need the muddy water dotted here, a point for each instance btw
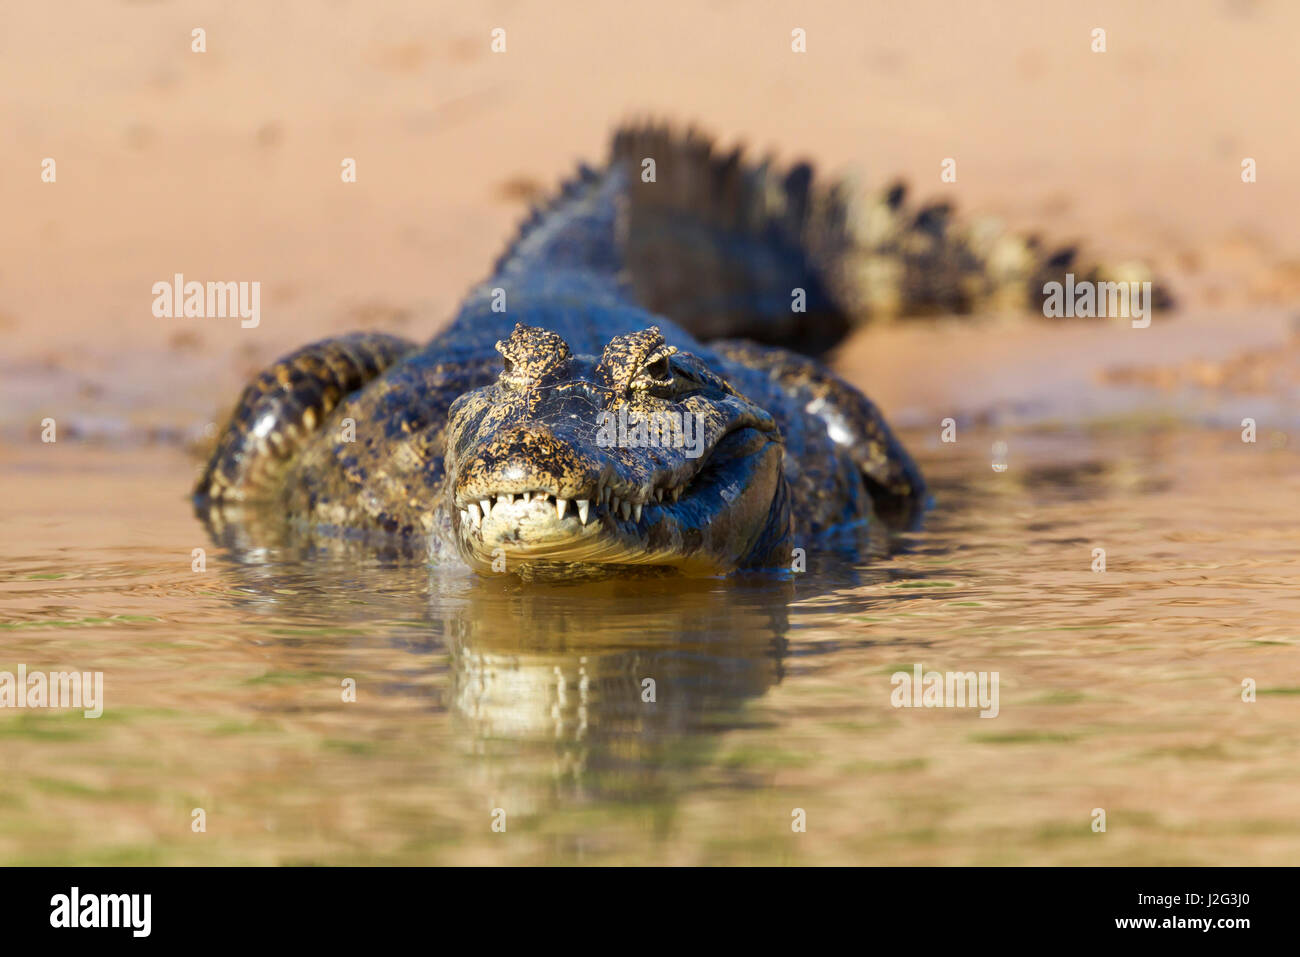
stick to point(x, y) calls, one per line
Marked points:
point(1119, 690)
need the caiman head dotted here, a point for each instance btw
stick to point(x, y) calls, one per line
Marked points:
point(643, 457)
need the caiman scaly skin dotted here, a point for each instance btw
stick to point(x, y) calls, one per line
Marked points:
point(511, 441)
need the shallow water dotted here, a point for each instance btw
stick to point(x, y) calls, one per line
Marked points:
point(1118, 690)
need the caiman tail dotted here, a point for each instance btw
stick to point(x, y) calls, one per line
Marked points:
point(731, 249)
point(734, 249)
point(900, 260)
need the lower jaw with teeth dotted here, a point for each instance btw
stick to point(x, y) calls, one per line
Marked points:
point(474, 514)
point(524, 533)
point(707, 533)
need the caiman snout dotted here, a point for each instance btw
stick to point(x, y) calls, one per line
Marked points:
point(523, 460)
point(571, 462)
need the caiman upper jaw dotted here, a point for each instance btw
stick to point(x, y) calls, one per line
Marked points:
point(608, 493)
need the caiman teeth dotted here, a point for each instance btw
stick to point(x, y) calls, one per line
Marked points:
point(620, 505)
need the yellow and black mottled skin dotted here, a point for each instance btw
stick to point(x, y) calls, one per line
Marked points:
point(280, 410)
point(486, 443)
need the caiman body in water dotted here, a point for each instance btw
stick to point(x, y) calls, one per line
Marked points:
point(688, 290)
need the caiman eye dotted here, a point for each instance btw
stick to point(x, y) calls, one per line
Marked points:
point(509, 377)
point(657, 373)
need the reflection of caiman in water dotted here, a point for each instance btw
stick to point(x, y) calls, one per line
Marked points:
point(629, 683)
point(613, 688)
